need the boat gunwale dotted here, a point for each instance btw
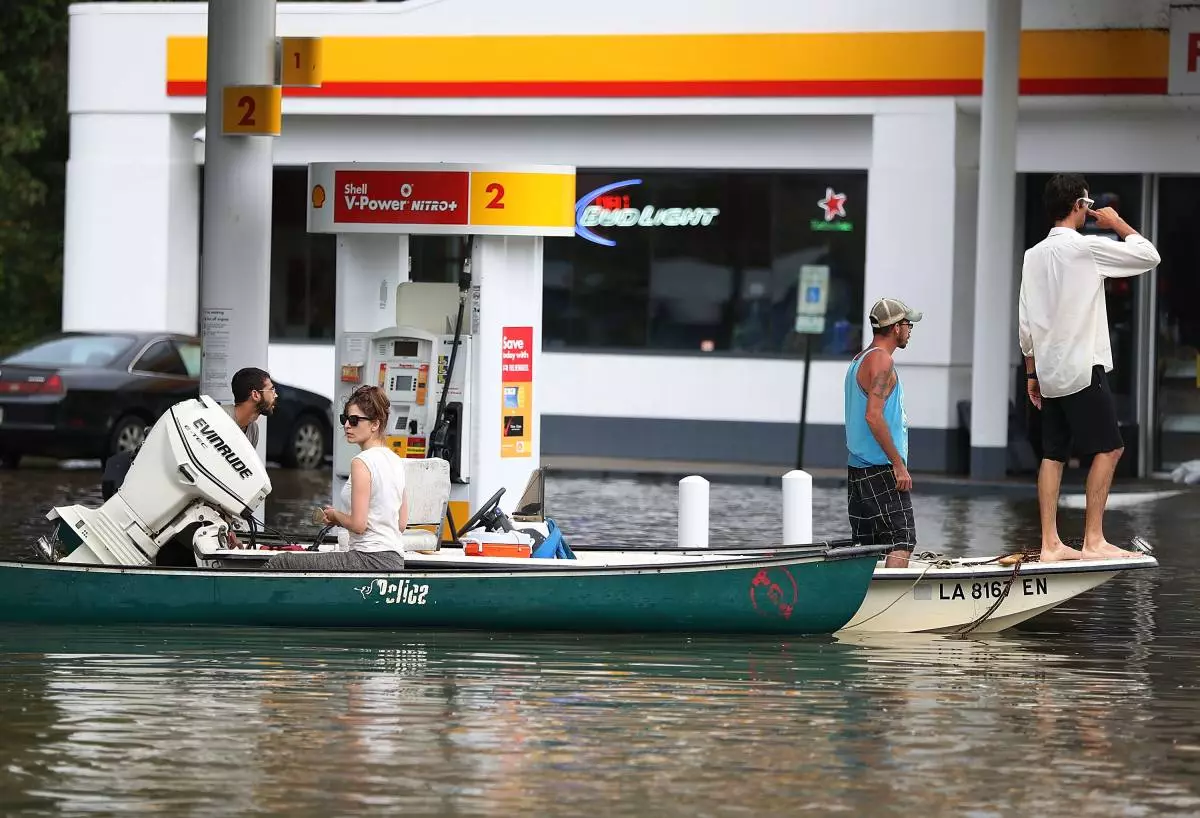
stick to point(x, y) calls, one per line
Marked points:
point(551, 568)
point(1004, 571)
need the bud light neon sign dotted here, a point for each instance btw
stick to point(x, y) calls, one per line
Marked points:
point(603, 207)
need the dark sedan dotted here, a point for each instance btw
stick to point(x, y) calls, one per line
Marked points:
point(90, 395)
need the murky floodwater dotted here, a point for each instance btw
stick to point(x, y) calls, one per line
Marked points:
point(1091, 707)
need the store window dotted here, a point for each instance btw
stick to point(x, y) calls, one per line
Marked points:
point(1177, 374)
point(303, 283)
point(1123, 192)
point(706, 261)
point(303, 264)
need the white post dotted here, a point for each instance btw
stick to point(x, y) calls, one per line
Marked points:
point(797, 508)
point(995, 334)
point(235, 273)
point(693, 512)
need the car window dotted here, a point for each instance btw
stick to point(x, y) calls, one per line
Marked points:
point(190, 353)
point(160, 358)
point(73, 350)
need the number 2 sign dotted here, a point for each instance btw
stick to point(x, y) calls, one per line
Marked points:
point(252, 110)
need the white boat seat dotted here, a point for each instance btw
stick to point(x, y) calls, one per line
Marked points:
point(427, 485)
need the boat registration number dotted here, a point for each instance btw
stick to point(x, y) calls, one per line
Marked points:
point(1026, 586)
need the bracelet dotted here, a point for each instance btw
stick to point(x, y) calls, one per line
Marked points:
point(1031, 376)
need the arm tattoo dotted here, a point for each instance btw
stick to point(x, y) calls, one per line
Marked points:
point(881, 384)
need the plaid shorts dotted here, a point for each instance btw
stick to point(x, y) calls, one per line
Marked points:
point(880, 514)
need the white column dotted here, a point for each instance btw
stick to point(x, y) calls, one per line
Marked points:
point(131, 230)
point(235, 272)
point(921, 248)
point(508, 271)
point(994, 334)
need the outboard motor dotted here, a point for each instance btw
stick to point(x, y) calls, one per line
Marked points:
point(195, 469)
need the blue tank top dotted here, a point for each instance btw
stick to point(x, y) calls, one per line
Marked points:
point(864, 450)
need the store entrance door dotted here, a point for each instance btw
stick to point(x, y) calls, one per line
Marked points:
point(1124, 192)
point(1176, 432)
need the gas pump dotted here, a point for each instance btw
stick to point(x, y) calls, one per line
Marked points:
point(459, 361)
point(423, 364)
point(425, 375)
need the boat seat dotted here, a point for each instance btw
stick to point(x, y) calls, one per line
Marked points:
point(427, 486)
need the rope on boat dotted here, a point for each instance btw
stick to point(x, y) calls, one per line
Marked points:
point(906, 591)
point(966, 629)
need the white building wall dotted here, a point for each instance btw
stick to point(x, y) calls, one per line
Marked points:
point(132, 210)
point(131, 247)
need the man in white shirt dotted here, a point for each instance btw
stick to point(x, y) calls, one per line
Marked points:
point(1063, 328)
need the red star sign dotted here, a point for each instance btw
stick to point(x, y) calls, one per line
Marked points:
point(834, 204)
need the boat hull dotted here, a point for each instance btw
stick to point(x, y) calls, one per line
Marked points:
point(963, 594)
point(809, 595)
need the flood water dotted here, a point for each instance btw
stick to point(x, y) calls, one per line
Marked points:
point(1090, 707)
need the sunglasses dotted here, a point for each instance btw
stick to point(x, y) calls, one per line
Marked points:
point(1086, 201)
point(351, 419)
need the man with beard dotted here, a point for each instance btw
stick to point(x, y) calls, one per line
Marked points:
point(253, 395)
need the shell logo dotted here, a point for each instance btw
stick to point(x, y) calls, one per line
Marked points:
point(318, 196)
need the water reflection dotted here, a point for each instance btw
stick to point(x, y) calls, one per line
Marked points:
point(194, 722)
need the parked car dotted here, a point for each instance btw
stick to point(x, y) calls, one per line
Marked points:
point(91, 395)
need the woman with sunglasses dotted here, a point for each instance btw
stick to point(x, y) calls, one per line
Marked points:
point(374, 495)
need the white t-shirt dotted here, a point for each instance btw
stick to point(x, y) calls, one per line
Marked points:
point(1062, 315)
point(387, 496)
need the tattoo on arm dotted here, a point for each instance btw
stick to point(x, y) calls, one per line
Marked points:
point(881, 383)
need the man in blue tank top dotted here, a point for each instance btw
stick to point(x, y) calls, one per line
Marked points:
point(877, 482)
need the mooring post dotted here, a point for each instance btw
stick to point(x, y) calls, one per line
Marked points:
point(693, 512)
point(797, 507)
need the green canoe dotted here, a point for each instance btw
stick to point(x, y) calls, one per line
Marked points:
point(810, 590)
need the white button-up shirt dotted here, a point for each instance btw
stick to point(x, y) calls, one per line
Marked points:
point(1062, 315)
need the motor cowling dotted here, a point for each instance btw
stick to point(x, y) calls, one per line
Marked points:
point(194, 467)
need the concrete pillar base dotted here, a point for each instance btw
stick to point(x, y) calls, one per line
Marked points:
point(989, 462)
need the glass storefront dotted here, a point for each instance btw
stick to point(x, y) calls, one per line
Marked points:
point(706, 261)
point(680, 261)
point(709, 262)
point(1155, 330)
point(1124, 193)
point(1177, 342)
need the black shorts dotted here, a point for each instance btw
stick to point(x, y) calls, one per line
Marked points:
point(1084, 422)
point(880, 514)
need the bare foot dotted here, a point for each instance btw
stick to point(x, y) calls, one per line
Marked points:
point(1057, 552)
point(1104, 550)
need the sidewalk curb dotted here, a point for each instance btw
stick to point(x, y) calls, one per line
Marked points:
point(939, 485)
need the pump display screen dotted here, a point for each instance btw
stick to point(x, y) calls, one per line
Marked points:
point(404, 349)
point(404, 383)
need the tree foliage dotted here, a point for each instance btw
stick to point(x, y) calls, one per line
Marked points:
point(33, 158)
point(33, 155)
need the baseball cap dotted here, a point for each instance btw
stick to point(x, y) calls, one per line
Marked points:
point(888, 311)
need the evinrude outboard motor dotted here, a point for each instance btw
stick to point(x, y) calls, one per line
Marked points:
point(194, 473)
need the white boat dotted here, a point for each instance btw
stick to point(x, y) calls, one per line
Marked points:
point(980, 594)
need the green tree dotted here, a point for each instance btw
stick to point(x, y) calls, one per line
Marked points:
point(33, 154)
point(34, 138)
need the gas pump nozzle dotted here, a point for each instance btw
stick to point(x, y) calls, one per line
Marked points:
point(439, 435)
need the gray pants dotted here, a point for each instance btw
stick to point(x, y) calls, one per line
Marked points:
point(360, 561)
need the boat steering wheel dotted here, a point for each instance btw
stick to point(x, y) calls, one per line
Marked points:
point(489, 514)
